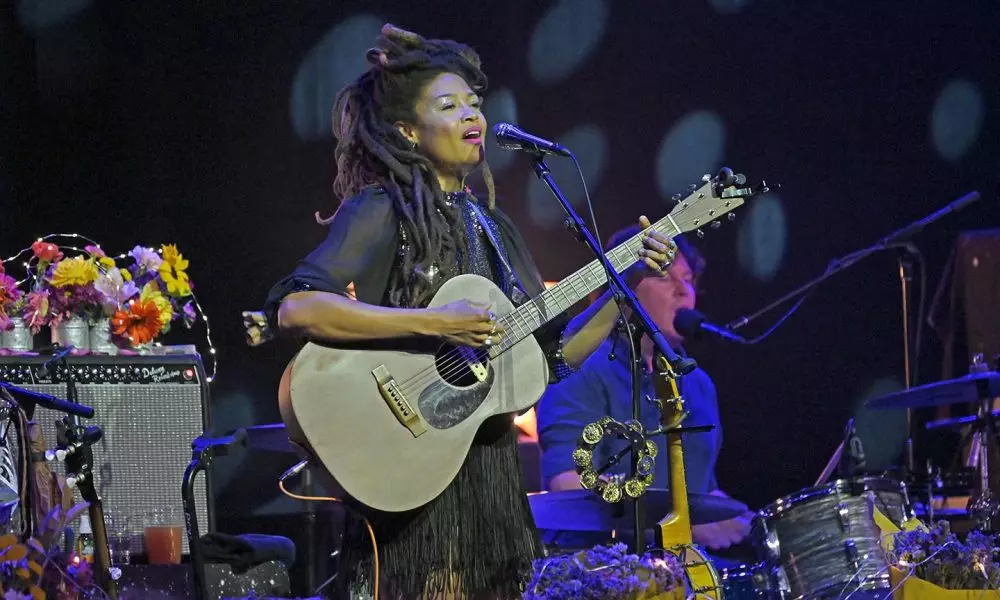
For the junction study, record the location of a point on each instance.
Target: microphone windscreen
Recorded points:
(688, 322)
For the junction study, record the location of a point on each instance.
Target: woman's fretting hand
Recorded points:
(467, 323)
(658, 250)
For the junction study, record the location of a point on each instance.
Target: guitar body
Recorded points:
(392, 422)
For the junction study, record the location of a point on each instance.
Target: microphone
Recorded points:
(47, 401)
(907, 232)
(510, 137)
(692, 324)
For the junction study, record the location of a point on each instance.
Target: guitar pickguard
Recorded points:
(443, 405)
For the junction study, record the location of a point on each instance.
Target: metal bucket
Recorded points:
(18, 339)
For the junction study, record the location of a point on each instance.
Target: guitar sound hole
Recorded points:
(455, 364)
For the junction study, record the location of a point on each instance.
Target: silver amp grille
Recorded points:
(150, 409)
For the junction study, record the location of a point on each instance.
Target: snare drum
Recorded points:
(823, 541)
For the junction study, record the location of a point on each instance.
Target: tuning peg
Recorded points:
(706, 178)
(74, 480)
(731, 217)
(699, 233)
(676, 198)
(693, 187)
(716, 224)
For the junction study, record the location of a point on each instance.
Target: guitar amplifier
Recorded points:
(150, 409)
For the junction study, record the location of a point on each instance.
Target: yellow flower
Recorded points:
(107, 262)
(151, 293)
(74, 271)
(172, 272)
(126, 276)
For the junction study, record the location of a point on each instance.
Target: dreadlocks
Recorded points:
(371, 151)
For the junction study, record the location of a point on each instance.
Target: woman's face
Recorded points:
(450, 128)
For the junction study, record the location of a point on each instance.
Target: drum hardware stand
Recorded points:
(984, 505)
(898, 239)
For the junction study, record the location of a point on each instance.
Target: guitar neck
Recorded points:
(533, 314)
(675, 528)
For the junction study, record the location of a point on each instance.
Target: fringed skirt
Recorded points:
(476, 540)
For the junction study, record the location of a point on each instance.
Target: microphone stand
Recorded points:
(898, 239)
(624, 296)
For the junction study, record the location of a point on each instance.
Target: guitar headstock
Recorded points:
(79, 456)
(715, 197)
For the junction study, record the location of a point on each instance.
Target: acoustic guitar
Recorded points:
(392, 421)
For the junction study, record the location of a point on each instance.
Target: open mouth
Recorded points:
(473, 136)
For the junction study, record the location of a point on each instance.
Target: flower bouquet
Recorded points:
(11, 300)
(607, 573)
(62, 290)
(40, 569)
(144, 299)
(137, 302)
(934, 564)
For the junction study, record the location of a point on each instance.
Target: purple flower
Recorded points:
(602, 573)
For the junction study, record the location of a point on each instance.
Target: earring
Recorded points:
(413, 145)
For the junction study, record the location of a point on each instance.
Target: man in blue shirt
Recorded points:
(603, 387)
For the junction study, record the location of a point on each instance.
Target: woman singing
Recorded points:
(409, 131)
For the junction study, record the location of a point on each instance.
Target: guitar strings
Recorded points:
(453, 361)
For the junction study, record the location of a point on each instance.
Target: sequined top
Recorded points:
(480, 257)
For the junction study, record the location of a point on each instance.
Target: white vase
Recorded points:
(73, 332)
(19, 338)
(100, 338)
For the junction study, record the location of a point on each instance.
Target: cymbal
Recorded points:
(964, 390)
(584, 510)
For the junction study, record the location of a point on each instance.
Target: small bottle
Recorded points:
(85, 541)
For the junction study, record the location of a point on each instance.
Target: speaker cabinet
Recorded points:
(150, 409)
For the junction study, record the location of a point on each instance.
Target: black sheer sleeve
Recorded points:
(549, 336)
(359, 248)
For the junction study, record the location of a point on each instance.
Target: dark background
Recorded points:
(205, 124)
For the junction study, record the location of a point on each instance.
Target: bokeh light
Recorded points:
(500, 106)
(692, 148)
(957, 118)
(590, 145)
(335, 61)
(565, 37)
(760, 243)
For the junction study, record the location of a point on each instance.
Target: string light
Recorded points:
(30, 270)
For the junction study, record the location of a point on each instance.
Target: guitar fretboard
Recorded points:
(525, 319)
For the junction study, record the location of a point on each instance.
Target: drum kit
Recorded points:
(820, 542)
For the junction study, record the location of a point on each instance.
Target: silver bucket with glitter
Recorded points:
(73, 332)
(18, 339)
(100, 338)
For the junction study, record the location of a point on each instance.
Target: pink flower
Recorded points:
(37, 311)
(8, 288)
(46, 252)
(94, 251)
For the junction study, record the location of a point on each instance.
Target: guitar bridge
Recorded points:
(397, 402)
